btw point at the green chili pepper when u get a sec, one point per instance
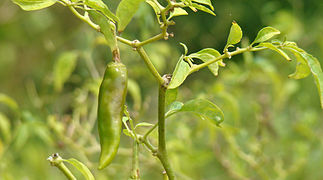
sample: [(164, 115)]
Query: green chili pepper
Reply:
[(112, 97)]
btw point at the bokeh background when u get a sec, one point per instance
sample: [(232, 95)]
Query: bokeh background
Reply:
[(51, 64)]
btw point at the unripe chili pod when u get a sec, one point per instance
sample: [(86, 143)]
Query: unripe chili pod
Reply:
[(112, 97)]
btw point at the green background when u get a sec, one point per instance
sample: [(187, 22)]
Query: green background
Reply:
[(273, 125)]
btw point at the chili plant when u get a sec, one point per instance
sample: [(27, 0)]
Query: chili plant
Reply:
[(112, 111)]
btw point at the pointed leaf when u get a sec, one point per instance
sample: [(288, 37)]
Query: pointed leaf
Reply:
[(177, 12), (206, 2), (201, 8), (201, 107), (63, 68), (316, 70), (125, 11), (313, 64), (30, 5), (100, 6), (235, 35), (173, 108), (81, 167), (274, 48), (208, 54), (180, 73), (155, 8), (106, 27), (302, 70), (265, 34)]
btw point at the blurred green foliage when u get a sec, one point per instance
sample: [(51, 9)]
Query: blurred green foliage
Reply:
[(273, 125)]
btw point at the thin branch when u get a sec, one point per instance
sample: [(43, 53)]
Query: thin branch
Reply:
[(150, 65)]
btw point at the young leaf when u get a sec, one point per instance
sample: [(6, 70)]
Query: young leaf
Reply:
[(31, 5), (202, 107), (182, 70), (302, 70), (100, 6), (173, 108), (125, 11), (63, 68), (265, 34), (206, 55), (313, 64), (81, 167), (155, 8), (202, 8), (317, 73), (206, 2), (235, 35), (8, 101), (106, 27), (274, 48), (177, 12)]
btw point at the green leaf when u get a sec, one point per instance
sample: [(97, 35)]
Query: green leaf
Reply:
[(11, 103), (274, 48), (173, 108), (5, 127), (302, 69), (203, 108), (208, 54), (100, 6), (202, 8), (206, 2), (265, 34), (177, 12), (81, 167), (317, 73), (171, 95), (312, 63), (134, 91), (125, 11), (182, 70), (63, 68), (107, 28), (235, 35), (155, 8), (30, 5), (144, 124)]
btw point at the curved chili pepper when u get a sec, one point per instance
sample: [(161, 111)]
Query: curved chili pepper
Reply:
[(112, 97)]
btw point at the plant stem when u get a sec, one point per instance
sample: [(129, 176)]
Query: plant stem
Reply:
[(56, 160), (83, 18), (150, 65), (150, 40), (223, 56), (150, 130), (162, 152), (135, 162)]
